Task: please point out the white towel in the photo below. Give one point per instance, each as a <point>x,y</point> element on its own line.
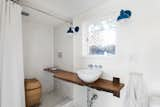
<point>136,94</point>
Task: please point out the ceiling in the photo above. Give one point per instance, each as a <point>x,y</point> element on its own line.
<point>66,9</point>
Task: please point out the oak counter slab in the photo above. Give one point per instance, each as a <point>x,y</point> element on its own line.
<point>100,84</point>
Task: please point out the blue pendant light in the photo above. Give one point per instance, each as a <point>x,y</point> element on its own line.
<point>70,30</point>
<point>124,14</point>
<point>76,29</point>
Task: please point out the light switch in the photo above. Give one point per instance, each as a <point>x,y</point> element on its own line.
<point>60,54</point>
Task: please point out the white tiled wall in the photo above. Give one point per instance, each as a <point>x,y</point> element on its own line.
<point>138,46</point>
<point>38,52</point>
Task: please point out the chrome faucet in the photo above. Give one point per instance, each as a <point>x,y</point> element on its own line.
<point>91,66</point>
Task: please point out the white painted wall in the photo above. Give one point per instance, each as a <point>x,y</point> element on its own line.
<point>38,52</point>
<point>0,49</point>
<point>63,44</point>
<point>138,46</point>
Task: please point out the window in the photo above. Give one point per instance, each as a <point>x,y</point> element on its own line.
<point>99,38</point>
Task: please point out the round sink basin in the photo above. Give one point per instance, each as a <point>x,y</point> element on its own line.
<point>89,75</point>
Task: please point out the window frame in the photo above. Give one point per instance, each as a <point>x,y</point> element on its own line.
<point>85,48</point>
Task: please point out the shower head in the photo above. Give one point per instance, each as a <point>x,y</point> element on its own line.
<point>25,13</point>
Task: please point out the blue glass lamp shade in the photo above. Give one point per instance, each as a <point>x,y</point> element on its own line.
<point>76,29</point>
<point>70,30</point>
<point>128,12</point>
<point>124,14</point>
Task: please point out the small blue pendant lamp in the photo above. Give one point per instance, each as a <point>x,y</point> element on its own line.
<point>124,14</point>
<point>72,29</point>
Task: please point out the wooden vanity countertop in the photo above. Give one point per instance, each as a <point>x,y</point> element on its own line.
<point>100,84</point>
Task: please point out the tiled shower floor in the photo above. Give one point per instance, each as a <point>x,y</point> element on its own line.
<point>53,99</point>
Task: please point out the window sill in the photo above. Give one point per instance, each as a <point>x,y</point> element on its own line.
<point>98,56</point>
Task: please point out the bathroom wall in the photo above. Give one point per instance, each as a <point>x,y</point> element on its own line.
<point>0,53</point>
<point>63,57</point>
<point>138,46</point>
<point>38,52</point>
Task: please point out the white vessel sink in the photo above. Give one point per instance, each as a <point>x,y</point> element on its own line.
<point>89,75</point>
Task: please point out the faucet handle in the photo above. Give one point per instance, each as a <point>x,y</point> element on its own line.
<point>100,66</point>
<point>90,66</point>
<point>95,66</point>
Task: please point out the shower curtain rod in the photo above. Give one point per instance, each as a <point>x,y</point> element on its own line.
<point>43,12</point>
<point>46,13</point>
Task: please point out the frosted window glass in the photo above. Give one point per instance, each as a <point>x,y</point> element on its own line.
<point>101,38</point>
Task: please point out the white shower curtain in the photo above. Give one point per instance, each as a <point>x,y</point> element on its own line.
<point>11,56</point>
